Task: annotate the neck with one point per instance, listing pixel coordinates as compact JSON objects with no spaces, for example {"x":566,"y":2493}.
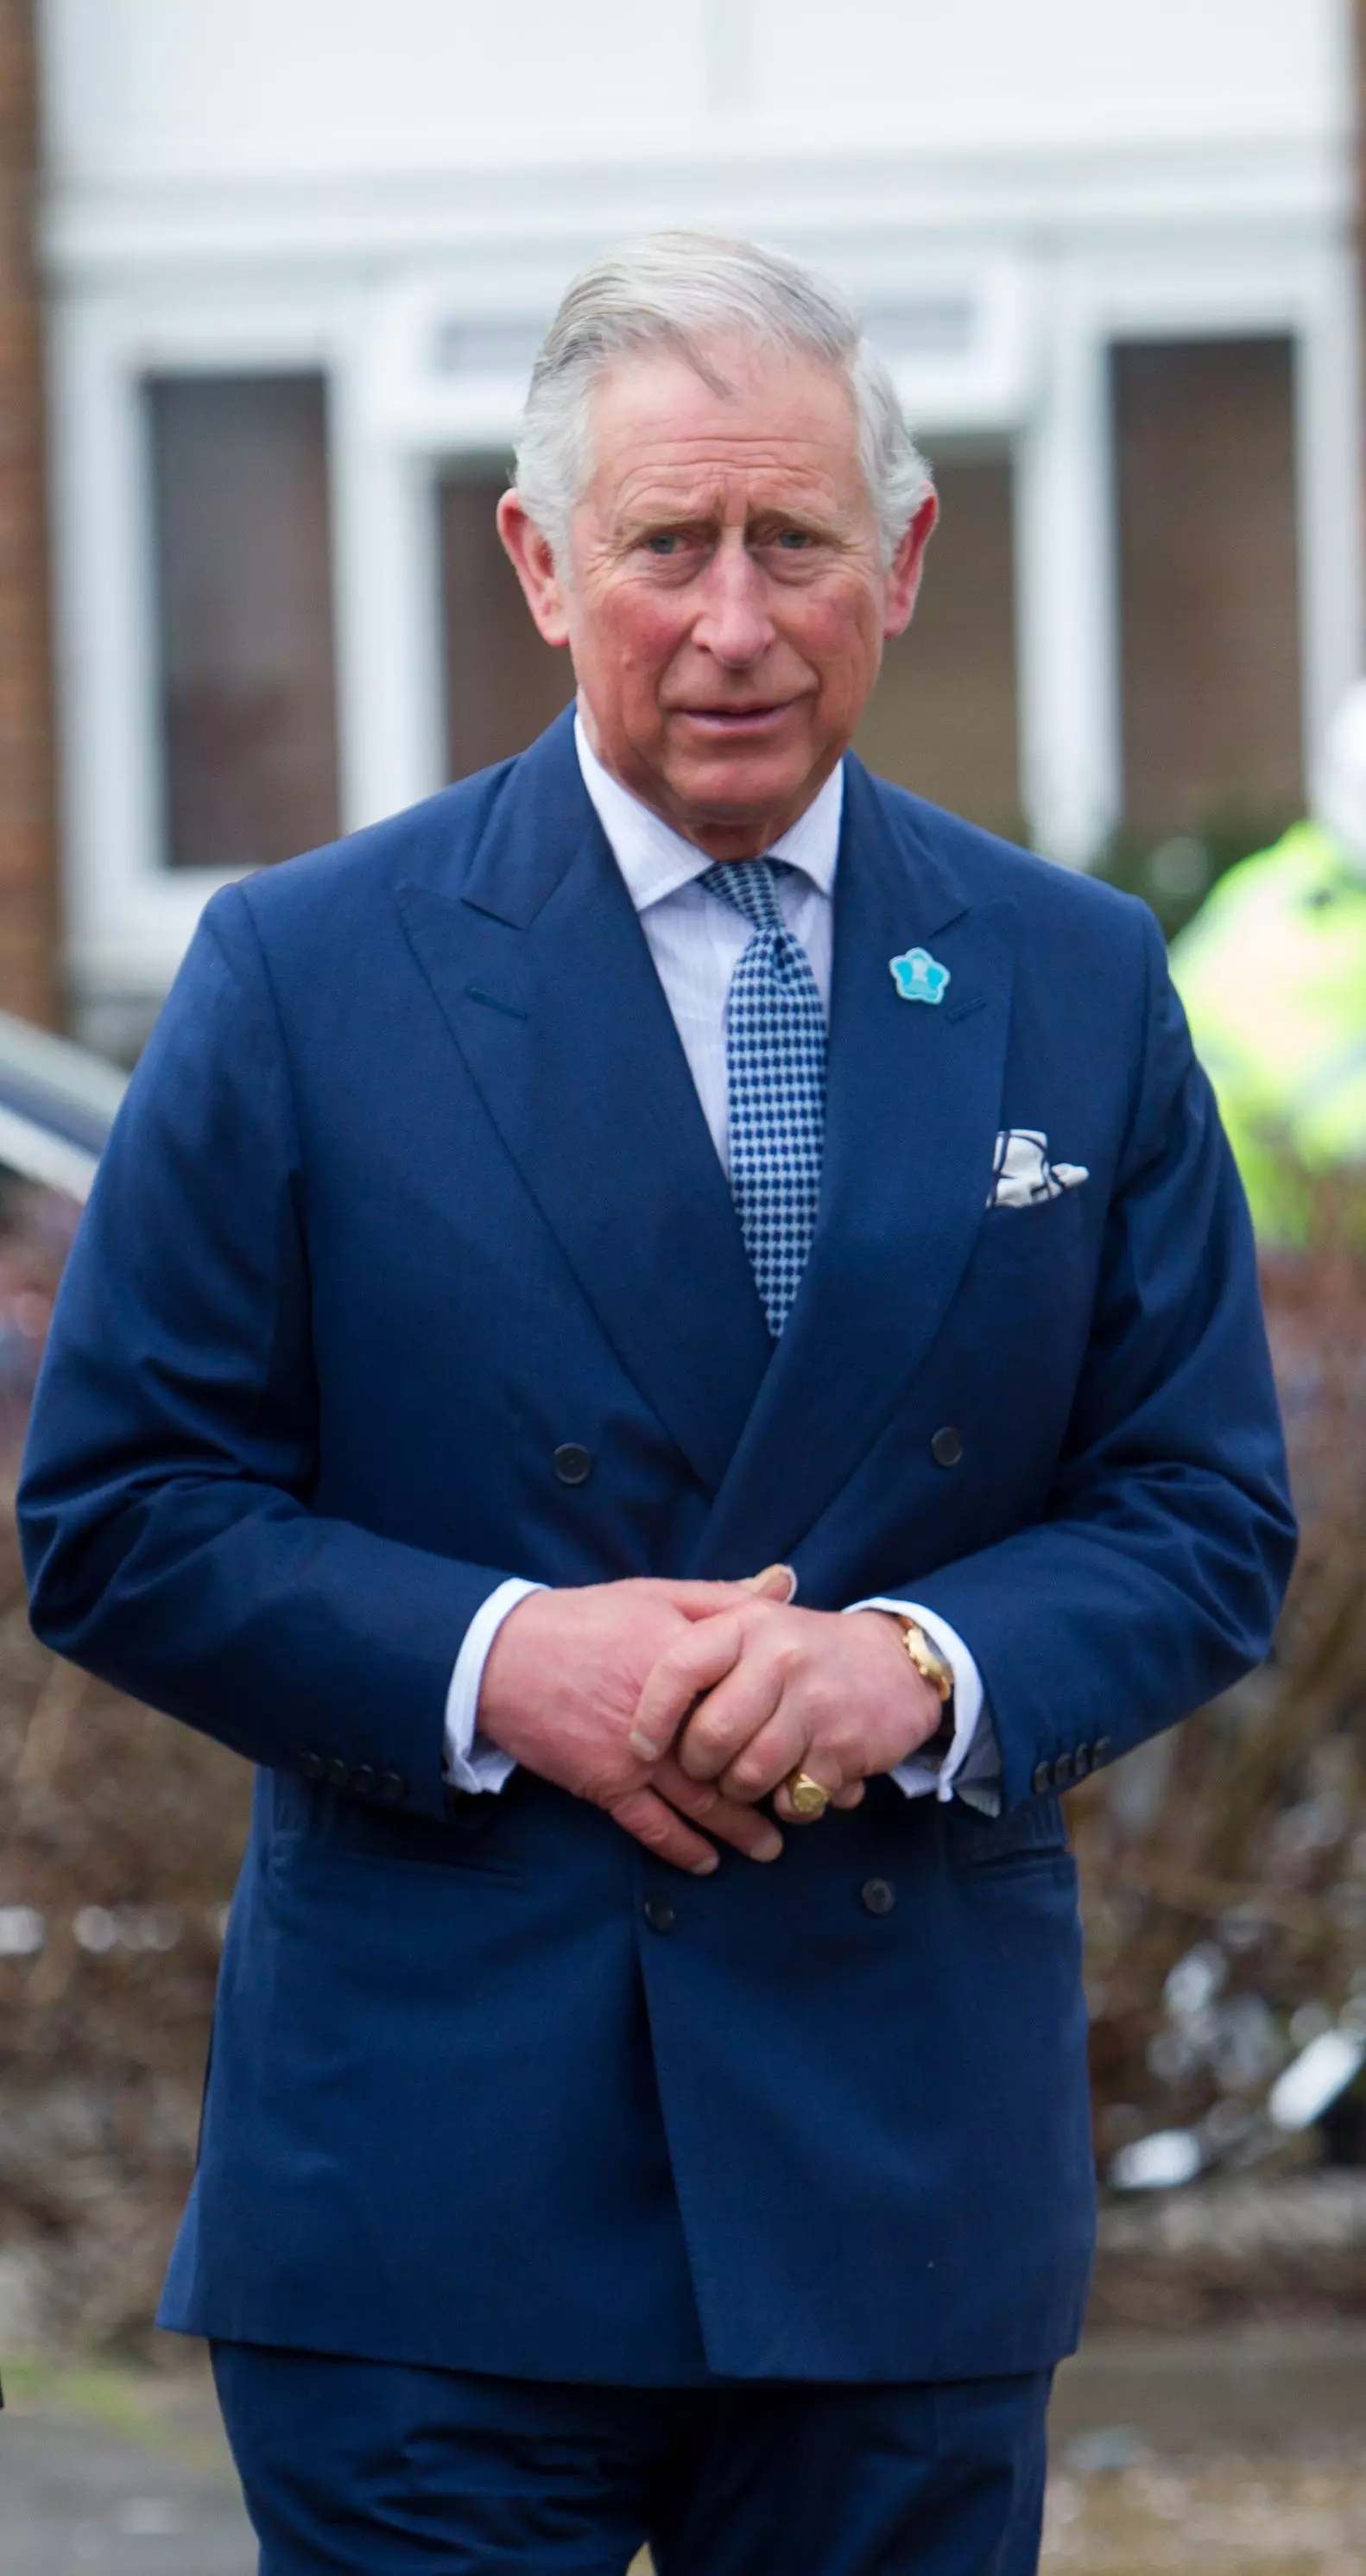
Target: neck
{"x":721,"y":837}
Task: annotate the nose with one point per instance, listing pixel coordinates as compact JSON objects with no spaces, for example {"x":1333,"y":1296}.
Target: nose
{"x":734,"y":625}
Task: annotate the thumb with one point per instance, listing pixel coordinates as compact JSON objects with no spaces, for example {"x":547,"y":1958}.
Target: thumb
{"x":698,"y":1600}
{"x":776,"y":1583}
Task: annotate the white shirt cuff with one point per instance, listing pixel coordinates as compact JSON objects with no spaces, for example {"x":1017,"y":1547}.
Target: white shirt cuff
{"x":917,"y":1776}
{"x":472,"y":1763}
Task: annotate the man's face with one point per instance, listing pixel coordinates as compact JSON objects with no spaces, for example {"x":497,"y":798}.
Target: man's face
{"x":726,"y":603}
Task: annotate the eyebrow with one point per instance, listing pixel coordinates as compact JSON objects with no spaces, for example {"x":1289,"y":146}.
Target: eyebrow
{"x":639,"y":523}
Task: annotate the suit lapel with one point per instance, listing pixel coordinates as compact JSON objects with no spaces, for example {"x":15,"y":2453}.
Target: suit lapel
{"x":543,"y":975}
{"x":913,"y":1109}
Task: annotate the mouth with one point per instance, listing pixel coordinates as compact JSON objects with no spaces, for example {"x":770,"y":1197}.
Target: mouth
{"x":730,"y":722}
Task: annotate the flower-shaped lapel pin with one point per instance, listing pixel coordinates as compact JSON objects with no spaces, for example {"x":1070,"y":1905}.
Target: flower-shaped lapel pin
{"x":919,"y":977}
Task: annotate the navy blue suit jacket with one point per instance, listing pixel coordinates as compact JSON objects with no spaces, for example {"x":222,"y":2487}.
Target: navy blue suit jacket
{"x":412,"y":1187}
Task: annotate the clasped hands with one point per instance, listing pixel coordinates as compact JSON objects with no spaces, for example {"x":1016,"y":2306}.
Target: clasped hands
{"x":678,"y":1707}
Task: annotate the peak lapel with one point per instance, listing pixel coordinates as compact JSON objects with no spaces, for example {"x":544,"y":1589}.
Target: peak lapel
{"x":543,"y":975}
{"x":913,"y":1108}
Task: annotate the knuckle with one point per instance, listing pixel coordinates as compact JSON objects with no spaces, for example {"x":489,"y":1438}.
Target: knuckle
{"x":707,"y":1739}
{"x":749,"y":1777}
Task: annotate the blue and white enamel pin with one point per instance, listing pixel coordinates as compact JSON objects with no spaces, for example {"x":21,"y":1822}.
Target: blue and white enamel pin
{"x":919,"y":977}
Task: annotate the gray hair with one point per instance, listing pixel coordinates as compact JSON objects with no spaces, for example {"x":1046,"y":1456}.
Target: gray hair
{"x":684,"y":291}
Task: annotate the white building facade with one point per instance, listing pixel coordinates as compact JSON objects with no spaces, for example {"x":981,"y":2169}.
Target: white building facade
{"x":298,"y":255}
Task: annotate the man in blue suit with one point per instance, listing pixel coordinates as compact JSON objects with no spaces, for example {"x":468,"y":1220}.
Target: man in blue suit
{"x":648,"y":2091}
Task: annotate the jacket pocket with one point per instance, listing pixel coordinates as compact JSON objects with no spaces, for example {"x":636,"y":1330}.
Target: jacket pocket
{"x":1032,"y":1832}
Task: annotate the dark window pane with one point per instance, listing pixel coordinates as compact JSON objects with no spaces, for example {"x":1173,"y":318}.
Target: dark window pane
{"x":1205,"y":458}
{"x":942,"y":719}
{"x":503,"y":685}
{"x":245,"y":593}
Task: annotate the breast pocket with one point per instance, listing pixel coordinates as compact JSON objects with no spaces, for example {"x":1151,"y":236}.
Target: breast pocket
{"x":1053,"y":1231}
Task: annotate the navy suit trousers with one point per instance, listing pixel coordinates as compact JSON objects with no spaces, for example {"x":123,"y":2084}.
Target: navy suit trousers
{"x":364,"y":2469}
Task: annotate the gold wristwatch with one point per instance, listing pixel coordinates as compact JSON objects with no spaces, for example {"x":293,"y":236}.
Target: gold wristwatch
{"x":938,"y":1672}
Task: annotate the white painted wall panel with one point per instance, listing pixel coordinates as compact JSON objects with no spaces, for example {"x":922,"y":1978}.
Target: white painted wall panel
{"x":354,"y":87}
{"x":1025,"y":71}
{"x":213,"y":87}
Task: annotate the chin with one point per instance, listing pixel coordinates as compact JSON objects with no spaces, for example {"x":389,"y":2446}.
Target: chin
{"x":734,"y":787}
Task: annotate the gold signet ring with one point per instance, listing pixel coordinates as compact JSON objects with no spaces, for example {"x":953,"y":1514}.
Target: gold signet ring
{"x":807,"y":1796}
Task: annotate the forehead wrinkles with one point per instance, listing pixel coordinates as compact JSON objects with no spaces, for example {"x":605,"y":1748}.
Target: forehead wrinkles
{"x":726,"y":478}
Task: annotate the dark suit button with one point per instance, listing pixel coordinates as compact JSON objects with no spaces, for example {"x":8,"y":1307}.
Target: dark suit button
{"x":946,"y":1448}
{"x":363,"y":1780}
{"x":393,"y":1788}
{"x":1081,"y":1761}
{"x":573,"y":1463}
{"x":312,"y":1766}
{"x":659,"y":1914}
{"x":453,"y":1799}
{"x":338,"y":1773}
{"x":878,"y":1894}
{"x":1101,"y":1751}
{"x":1062,"y":1771}
{"x":1043,"y":1778}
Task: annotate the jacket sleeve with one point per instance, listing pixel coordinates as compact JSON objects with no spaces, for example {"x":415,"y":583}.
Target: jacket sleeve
{"x":1154,"y":1577}
{"x":164,"y":1506}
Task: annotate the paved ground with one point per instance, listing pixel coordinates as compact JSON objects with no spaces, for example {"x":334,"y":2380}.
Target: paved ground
{"x":107,"y":2476}
{"x":1217,"y":2455}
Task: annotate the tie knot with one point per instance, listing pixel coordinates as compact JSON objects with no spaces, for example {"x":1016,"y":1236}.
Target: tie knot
{"x":749,"y":886}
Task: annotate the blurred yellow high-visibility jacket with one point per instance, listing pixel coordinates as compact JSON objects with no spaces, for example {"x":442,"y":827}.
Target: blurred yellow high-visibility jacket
{"x":1272,"y":972}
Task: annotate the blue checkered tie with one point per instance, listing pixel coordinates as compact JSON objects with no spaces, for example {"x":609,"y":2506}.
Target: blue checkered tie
{"x":775,"y":1067}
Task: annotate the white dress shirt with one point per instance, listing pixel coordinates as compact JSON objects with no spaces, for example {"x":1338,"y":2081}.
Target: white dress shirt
{"x":696,"y":944}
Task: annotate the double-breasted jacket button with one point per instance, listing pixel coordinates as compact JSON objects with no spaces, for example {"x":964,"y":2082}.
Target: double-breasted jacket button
{"x":1062,"y":1771}
{"x":946,"y":1448}
{"x":1081,"y":1761}
{"x":573,"y":1464}
{"x":1101,"y":1751}
{"x":393,"y":1788}
{"x":338,"y":1773}
{"x":877,"y":1895}
{"x":1043,"y":1778}
{"x":312,"y":1766}
{"x":659,"y":1914}
{"x":363,"y":1780}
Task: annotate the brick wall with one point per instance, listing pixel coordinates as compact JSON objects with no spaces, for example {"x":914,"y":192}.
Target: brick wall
{"x":28,"y":857}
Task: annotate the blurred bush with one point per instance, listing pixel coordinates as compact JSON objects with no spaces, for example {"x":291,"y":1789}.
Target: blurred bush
{"x":1174,"y":873}
{"x":1224,"y":1865}
{"x":119,"y":1838}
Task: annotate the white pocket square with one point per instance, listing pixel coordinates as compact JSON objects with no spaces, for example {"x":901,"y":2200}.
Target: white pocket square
{"x":1021,"y":1173}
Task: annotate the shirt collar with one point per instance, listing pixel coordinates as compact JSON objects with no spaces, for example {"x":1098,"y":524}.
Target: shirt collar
{"x":655,"y":860}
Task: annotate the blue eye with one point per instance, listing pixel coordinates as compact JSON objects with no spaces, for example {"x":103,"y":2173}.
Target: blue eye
{"x":664,"y":544}
{"x":793,"y":539}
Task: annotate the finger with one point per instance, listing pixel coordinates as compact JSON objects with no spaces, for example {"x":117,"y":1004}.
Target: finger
{"x":745,"y":1828}
{"x":663,"y":1832}
{"x":728,"y":1716}
{"x":772,"y":1751}
{"x":702,"y":1657}
{"x":782,"y":1800}
{"x":851,"y":1795}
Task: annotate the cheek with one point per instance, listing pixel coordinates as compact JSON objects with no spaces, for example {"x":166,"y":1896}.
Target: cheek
{"x":840,"y":639}
{"x":633,"y":644}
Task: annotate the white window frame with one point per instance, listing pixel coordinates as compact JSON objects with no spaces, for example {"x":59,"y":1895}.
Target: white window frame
{"x":130,"y":915}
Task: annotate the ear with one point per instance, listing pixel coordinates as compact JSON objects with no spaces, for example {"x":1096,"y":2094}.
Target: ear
{"x":533,"y":561}
{"x":908,"y":563}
